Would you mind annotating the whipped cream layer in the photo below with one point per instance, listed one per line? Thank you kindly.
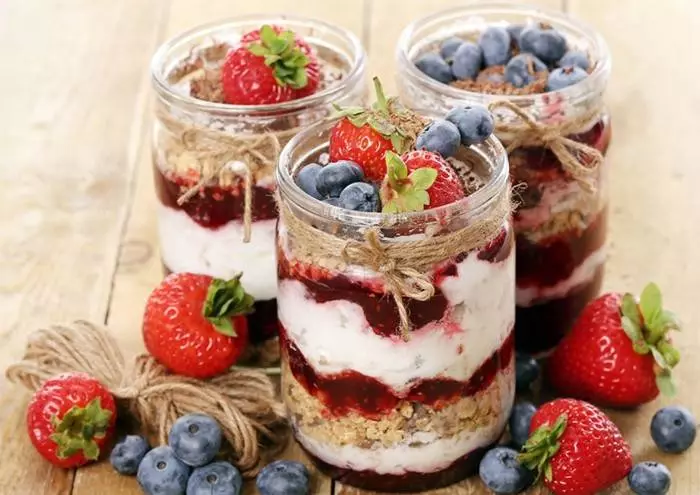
(186, 246)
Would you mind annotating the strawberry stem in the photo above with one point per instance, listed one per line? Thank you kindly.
(542, 445)
(226, 299)
(77, 430)
(283, 56)
(402, 192)
(382, 103)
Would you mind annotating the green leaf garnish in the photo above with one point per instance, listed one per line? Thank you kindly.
(226, 299)
(280, 52)
(402, 192)
(542, 445)
(77, 430)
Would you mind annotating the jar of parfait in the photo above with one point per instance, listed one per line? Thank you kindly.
(229, 96)
(396, 299)
(543, 74)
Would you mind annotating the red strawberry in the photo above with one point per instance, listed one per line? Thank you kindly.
(70, 418)
(618, 353)
(274, 70)
(431, 183)
(577, 447)
(195, 325)
(365, 135)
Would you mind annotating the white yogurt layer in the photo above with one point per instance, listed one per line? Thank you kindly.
(423, 454)
(186, 246)
(335, 335)
(584, 273)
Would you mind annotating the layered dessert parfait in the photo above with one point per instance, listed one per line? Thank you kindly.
(230, 95)
(396, 270)
(543, 75)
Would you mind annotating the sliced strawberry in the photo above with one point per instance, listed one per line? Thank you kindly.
(271, 70)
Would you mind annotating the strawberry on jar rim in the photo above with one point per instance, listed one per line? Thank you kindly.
(270, 66)
(618, 353)
(195, 325)
(575, 448)
(70, 419)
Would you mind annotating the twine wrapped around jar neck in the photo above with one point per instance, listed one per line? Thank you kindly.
(579, 160)
(405, 267)
(217, 149)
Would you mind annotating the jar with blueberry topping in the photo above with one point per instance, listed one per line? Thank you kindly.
(224, 110)
(543, 74)
(396, 316)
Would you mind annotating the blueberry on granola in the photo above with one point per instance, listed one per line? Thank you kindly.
(495, 43)
(564, 77)
(435, 67)
(475, 123)
(335, 177)
(543, 41)
(514, 30)
(522, 70)
(449, 47)
(467, 61)
(576, 58)
(440, 136)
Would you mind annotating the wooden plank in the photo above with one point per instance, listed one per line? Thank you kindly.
(389, 17)
(66, 174)
(653, 187)
(139, 267)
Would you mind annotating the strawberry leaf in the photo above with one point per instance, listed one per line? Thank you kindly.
(398, 142)
(634, 332)
(630, 309)
(267, 34)
(659, 358)
(423, 178)
(395, 167)
(257, 49)
(650, 303)
(667, 320)
(226, 299)
(542, 445)
(665, 383)
(287, 61)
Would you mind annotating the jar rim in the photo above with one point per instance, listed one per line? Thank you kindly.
(330, 93)
(596, 79)
(491, 150)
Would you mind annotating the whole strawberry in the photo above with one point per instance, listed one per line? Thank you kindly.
(70, 419)
(364, 135)
(618, 353)
(432, 182)
(270, 66)
(576, 447)
(195, 325)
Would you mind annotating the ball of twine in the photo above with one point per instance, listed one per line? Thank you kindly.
(243, 401)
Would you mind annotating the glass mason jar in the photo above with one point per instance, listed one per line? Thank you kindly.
(557, 169)
(214, 162)
(377, 404)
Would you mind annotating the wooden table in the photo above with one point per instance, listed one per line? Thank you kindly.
(77, 228)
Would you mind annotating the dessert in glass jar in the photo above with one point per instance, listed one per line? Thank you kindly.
(229, 96)
(396, 295)
(543, 74)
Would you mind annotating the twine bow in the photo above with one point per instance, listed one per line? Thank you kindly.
(242, 401)
(214, 150)
(579, 160)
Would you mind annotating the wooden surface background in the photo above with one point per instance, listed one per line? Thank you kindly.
(77, 226)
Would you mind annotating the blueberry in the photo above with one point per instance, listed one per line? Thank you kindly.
(467, 61)
(673, 429)
(440, 137)
(502, 473)
(359, 196)
(435, 67)
(579, 59)
(306, 179)
(162, 473)
(514, 31)
(522, 70)
(128, 453)
(335, 177)
(649, 478)
(495, 43)
(475, 123)
(283, 478)
(546, 43)
(196, 439)
(527, 370)
(519, 422)
(564, 77)
(217, 478)
(449, 47)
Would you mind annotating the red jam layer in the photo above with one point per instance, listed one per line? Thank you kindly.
(213, 206)
(539, 328)
(380, 309)
(262, 322)
(350, 391)
(409, 482)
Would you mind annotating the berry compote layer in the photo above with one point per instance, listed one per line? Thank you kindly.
(384, 413)
(560, 239)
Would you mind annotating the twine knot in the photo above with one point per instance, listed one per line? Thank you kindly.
(243, 401)
(579, 160)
